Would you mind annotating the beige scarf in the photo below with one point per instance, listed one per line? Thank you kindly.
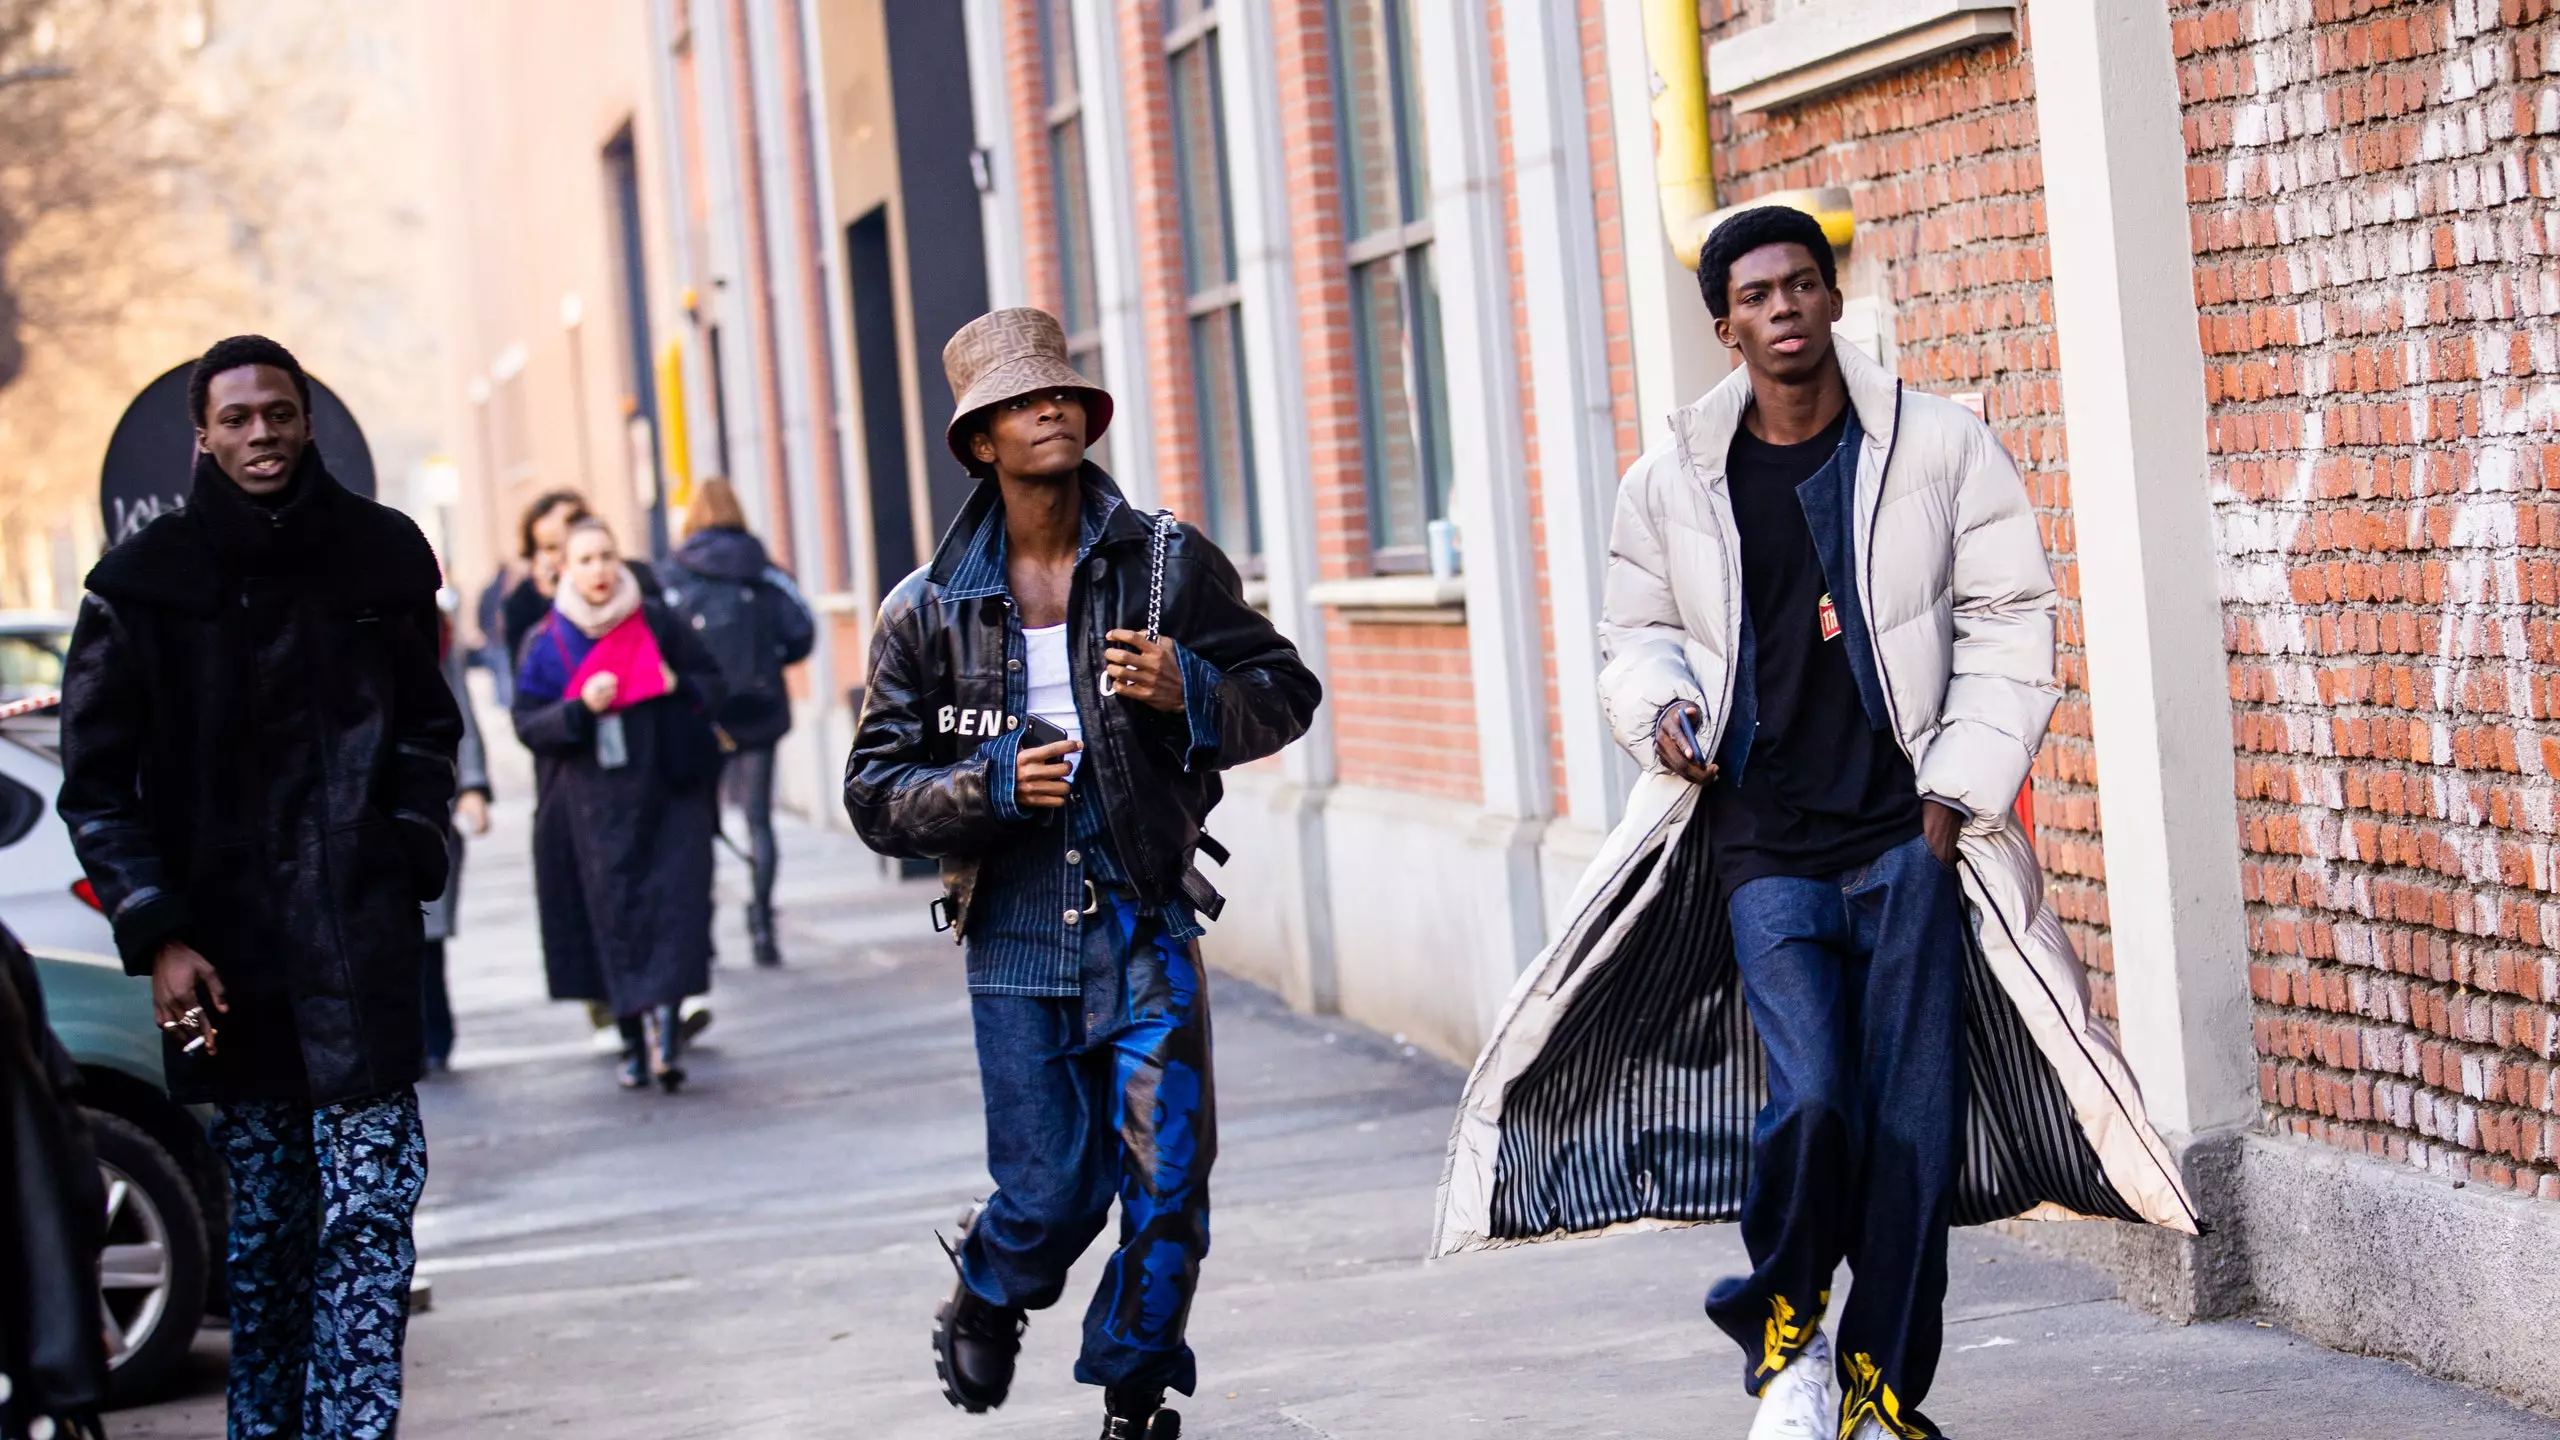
(594, 621)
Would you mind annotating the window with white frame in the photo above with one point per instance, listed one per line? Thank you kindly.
(1222, 418)
(1070, 202)
(1395, 302)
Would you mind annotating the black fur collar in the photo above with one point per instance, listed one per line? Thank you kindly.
(194, 557)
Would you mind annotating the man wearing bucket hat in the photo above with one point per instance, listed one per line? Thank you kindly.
(1050, 703)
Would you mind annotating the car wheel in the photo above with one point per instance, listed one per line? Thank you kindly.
(152, 1273)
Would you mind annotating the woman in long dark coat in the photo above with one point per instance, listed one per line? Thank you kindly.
(614, 698)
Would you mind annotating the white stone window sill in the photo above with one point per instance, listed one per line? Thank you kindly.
(1393, 600)
(1832, 44)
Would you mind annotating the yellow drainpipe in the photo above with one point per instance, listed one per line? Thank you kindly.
(1683, 156)
(671, 426)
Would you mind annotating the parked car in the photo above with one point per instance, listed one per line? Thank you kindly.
(168, 1198)
(32, 644)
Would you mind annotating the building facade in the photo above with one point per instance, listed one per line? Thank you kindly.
(2259, 294)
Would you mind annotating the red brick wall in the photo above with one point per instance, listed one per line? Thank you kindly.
(2371, 186)
(1947, 183)
(1608, 209)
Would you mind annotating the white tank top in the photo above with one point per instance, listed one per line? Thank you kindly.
(1052, 684)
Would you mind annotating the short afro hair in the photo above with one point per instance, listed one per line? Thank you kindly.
(1756, 228)
(235, 353)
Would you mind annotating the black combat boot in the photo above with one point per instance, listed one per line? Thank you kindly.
(974, 1343)
(1138, 1414)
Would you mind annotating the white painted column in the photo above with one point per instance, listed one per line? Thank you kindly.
(798, 409)
(1569, 379)
(999, 213)
(725, 298)
(1257, 182)
(1489, 487)
(1113, 206)
(1677, 358)
(666, 19)
(843, 429)
(2133, 403)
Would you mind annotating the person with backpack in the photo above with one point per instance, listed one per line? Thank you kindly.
(751, 618)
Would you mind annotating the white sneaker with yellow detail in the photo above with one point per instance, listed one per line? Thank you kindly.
(1801, 1402)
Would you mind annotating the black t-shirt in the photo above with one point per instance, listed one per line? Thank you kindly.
(1822, 791)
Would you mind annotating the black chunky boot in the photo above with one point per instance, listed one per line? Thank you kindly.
(1139, 1415)
(760, 933)
(974, 1343)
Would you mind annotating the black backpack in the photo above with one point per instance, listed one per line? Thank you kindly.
(731, 623)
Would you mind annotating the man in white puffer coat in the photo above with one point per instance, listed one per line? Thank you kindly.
(1829, 625)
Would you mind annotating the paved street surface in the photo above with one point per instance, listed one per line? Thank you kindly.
(755, 1257)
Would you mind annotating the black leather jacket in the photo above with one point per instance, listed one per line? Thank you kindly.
(915, 784)
(258, 760)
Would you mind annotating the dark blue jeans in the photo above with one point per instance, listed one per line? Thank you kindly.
(1077, 1118)
(1856, 984)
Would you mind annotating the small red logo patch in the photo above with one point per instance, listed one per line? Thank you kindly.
(1830, 619)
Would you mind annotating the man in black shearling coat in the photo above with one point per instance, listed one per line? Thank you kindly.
(258, 759)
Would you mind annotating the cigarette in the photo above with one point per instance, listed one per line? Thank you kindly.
(193, 1046)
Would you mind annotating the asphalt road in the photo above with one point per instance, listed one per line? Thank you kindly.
(755, 1257)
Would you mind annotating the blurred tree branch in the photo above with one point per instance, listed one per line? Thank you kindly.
(95, 133)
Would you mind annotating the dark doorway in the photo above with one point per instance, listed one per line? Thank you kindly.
(947, 273)
(622, 176)
(884, 411)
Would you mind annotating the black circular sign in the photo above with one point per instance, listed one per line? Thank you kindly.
(152, 456)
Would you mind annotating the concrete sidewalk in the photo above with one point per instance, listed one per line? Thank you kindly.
(755, 1257)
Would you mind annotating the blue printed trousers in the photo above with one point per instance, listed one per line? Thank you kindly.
(1078, 1114)
(320, 1259)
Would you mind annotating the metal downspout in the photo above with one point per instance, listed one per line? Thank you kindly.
(1684, 151)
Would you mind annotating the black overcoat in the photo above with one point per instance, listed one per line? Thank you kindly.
(257, 756)
(622, 857)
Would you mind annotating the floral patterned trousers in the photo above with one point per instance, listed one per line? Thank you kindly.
(320, 1260)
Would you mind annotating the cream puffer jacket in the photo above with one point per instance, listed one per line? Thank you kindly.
(1960, 603)
(1951, 577)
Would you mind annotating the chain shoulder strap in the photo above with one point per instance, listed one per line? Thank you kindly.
(1163, 536)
